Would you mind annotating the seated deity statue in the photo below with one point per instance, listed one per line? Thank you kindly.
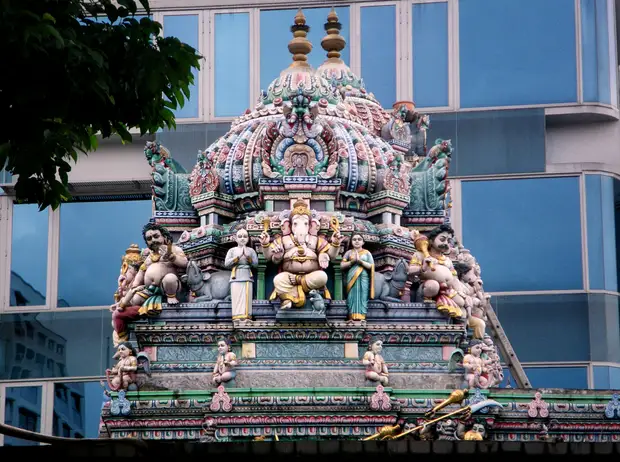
(130, 266)
(436, 272)
(121, 376)
(158, 276)
(224, 369)
(303, 256)
(376, 369)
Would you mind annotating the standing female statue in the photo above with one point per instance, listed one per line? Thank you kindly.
(360, 278)
(240, 260)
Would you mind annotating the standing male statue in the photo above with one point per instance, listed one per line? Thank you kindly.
(303, 255)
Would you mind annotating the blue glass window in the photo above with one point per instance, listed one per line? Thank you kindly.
(595, 51)
(232, 68)
(606, 378)
(29, 256)
(77, 409)
(56, 344)
(525, 233)
(185, 28)
(378, 52)
(22, 409)
(275, 34)
(514, 140)
(430, 54)
(558, 377)
(531, 324)
(600, 208)
(517, 52)
(93, 238)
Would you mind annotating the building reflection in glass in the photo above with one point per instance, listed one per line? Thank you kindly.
(22, 409)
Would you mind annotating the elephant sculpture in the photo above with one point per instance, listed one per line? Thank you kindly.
(207, 287)
(389, 286)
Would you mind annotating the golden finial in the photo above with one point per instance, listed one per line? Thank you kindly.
(333, 42)
(300, 46)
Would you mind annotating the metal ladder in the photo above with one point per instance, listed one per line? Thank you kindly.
(505, 348)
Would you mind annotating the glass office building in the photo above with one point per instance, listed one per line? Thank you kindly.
(527, 90)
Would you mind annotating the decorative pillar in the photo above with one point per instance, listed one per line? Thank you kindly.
(260, 278)
(338, 280)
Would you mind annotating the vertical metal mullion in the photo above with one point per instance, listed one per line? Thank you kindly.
(6, 218)
(53, 250)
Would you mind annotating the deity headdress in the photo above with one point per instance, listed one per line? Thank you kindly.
(133, 256)
(301, 208)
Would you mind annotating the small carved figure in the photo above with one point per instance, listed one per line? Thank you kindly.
(360, 278)
(468, 273)
(489, 353)
(241, 260)
(121, 376)
(158, 275)
(303, 256)
(316, 301)
(476, 433)
(447, 430)
(476, 371)
(207, 287)
(389, 285)
(224, 370)
(434, 268)
(130, 266)
(376, 369)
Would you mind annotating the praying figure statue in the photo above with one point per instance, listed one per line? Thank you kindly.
(240, 260)
(224, 370)
(360, 278)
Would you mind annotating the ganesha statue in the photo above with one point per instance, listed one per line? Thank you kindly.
(438, 278)
(130, 266)
(303, 255)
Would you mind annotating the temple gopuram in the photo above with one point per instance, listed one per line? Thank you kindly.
(303, 282)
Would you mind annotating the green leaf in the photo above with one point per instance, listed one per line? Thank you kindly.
(49, 17)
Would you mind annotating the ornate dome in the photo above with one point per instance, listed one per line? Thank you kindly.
(308, 123)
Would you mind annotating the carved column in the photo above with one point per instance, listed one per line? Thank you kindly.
(337, 280)
(406, 295)
(260, 278)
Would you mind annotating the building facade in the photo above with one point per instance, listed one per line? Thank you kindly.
(526, 90)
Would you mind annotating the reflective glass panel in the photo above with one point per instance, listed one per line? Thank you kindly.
(29, 255)
(93, 238)
(22, 409)
(77, 409)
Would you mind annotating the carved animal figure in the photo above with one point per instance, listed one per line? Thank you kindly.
(316, 301)
(389, 285)
(207, 287)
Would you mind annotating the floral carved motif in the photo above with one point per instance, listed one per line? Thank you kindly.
(538, 407)
(221, 401)
(380, 400)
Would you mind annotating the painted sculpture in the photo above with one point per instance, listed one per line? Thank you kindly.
(303, 254)
(244, 249)
(158, 277)
(240, 260)
(224, 369)
(376, 369)
(434, 268)
(360, 278)
(476, 367)
(123, 374)
(121, 315)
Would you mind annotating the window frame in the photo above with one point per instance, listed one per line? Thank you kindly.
(205, 64)
(254, 64)
(407, 70)
(355, 46)
(7, 203)
(47, 398)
